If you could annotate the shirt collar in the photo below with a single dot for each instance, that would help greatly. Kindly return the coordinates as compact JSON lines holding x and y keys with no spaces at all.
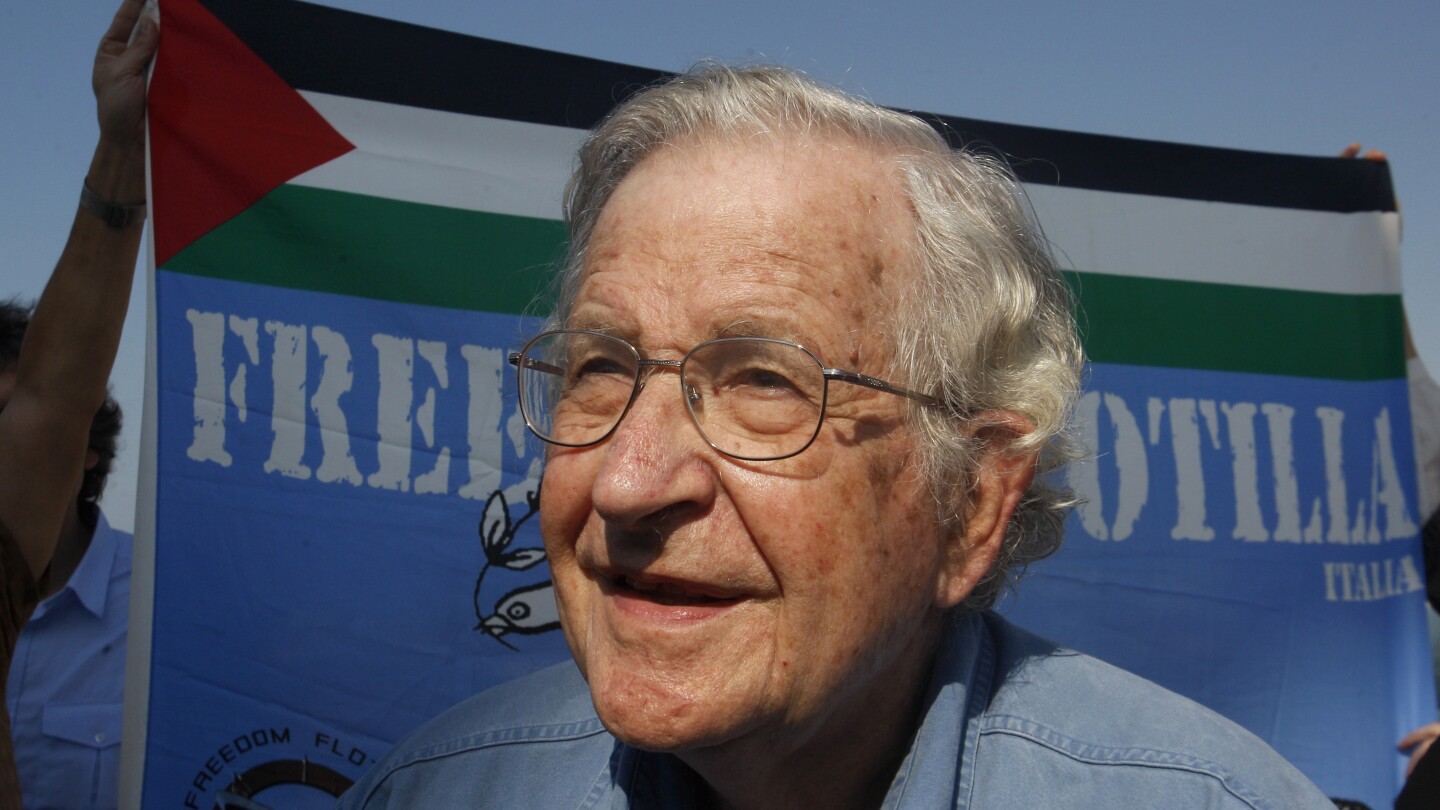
{"x":939,"y":767}
{"x":937,"y":770}
{"x":91,"y":581}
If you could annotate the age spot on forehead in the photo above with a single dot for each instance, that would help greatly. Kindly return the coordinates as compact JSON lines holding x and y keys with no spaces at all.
{"x":877,"y":272}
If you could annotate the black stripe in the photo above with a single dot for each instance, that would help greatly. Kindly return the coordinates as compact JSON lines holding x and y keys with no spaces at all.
{"x":342,"y":53}
{"x":1159,"y":168}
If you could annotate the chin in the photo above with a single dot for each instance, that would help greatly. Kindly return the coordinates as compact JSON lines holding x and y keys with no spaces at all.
{"x":654,"y":717}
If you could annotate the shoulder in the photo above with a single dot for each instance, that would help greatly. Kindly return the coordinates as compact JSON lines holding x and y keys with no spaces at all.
{"x":551,"y":702}
{"x":1060,"y":712}
{"x":515,"y":744}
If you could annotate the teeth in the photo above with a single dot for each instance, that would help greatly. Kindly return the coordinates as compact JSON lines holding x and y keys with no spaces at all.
{"x":664,"y":591}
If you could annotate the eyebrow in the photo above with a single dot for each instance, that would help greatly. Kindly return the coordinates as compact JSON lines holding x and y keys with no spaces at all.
{"x":752,"y":328}
{"x":737,"y":328}
{"x":592,"y":324}
{"x":741,"y":328}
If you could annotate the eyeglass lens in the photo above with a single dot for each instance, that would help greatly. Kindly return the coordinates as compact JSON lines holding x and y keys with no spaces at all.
{"x":752,"y":398}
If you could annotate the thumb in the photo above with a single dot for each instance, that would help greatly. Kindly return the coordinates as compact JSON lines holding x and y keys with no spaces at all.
{"x":141,"y":48}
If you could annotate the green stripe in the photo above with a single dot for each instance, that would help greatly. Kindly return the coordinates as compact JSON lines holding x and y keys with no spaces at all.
{"x":1221,"y":327}
{"x":372,"y":247}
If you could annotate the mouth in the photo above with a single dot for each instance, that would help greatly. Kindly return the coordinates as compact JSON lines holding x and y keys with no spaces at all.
{"x":666,"y":592}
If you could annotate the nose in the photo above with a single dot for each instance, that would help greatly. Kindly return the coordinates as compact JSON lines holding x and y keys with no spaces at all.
{"x":657,"y":469}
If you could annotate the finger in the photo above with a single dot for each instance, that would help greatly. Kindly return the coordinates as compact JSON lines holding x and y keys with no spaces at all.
{"x":150,"y":10}
{"x":1350,"y":151}
{"x":1416,"y":756}
{"x":137,"y":55}
{"x":123,"y":24}
{"x":1428,"y":731}
{"x":1375,"y":154}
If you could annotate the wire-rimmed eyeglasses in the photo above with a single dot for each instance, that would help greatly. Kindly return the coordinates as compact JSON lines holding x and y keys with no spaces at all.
{"x":752,"y":398}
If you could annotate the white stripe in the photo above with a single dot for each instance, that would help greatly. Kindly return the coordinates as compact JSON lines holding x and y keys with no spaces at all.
{"x":444,"y":158}
{"x":135,"y":705}
{"x":510,"y":167}
{"x":1222,"y":243}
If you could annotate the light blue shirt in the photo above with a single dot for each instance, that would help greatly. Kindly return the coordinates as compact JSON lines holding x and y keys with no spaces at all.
{"x":66,"y":682}
{"x":1011,"y":721}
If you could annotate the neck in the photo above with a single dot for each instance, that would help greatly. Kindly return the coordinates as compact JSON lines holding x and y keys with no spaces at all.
{"x":848,"y":762}
{"x":75,"y":536}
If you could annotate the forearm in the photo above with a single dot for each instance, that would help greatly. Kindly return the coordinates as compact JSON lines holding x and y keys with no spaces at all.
{"x":65,"y":361}
{"x":75,"y":332}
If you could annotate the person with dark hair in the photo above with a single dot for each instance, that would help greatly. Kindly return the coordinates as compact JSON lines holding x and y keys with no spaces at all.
{"x":67,"y":674}
{"x":52,"y":385}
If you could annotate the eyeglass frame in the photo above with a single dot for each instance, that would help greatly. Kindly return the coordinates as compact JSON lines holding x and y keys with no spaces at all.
{"x":642,"y":377}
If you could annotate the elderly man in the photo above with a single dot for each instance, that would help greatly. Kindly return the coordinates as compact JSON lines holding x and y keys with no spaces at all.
{"x":807,"y":371}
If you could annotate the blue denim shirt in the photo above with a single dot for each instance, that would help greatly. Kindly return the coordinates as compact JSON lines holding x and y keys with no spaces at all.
{"x":67,"y":679}
{"x":1010,"y":721}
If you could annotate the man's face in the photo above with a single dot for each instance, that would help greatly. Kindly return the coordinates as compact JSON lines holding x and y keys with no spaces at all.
{"x":709,"y":600}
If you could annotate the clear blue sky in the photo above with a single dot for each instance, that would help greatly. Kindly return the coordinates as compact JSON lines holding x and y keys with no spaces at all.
{"x":1304,"y":78}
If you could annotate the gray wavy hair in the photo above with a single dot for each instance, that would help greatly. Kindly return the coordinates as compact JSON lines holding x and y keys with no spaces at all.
{"x":986,"y":326}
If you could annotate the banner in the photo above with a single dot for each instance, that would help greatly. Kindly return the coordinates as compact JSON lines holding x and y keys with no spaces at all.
{"x":1248,"y":532}
{"x":356,"y":219}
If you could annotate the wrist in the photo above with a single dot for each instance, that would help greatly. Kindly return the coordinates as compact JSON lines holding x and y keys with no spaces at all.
{"x":117,"y":171}
{"x":117,"y":215}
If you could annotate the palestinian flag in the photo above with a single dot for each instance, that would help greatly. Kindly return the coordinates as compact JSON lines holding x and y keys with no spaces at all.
{"x":356,"y":219}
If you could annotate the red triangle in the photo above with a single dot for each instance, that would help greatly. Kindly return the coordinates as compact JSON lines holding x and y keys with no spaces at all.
{"x":225,"y":129}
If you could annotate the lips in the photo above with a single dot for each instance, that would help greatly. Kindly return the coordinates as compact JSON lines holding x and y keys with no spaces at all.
{"x":666,"y":596}
{"x":668,"y":592}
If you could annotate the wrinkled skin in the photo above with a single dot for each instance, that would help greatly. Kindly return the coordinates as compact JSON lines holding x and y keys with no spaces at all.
{"x":760,"y":619}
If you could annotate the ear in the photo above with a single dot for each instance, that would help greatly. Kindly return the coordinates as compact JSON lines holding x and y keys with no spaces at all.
{"x":91,"y":459}
{"x":1003,"y":477}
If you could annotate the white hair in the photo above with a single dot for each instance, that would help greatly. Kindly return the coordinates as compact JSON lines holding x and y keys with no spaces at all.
{"x":985,"y":326}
